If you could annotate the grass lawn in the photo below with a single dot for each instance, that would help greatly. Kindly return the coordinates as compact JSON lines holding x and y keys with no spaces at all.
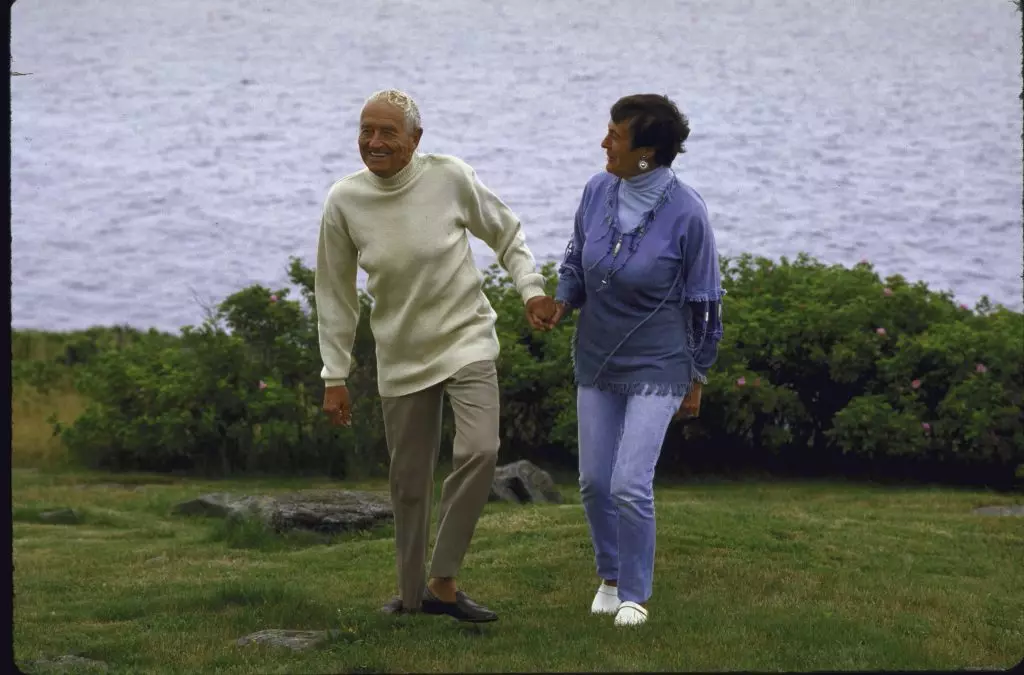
{"x":750,"y":575}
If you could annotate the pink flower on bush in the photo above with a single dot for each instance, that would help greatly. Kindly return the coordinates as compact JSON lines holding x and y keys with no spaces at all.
{"x":880,"y":331}
{"x":263,"y":385}
{"x":963,"y":305}
{"x":981,"y":368}
{"x":927,"y":427}
{"x":273,"y":298}
{"x":740,"y":382}
{"x":887,"y":291}
{"x":916,"y":384}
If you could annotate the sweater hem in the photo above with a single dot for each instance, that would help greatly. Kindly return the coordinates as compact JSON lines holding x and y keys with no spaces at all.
{"x":444,"y":370}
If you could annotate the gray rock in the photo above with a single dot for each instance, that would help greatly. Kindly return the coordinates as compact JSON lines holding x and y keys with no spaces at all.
{"x":60,"y":517}
{"x":324,"y":511}
{"x":524,"y":483}
{"x":1016,"y":510}
{"x":331,"y":510}
{"x":66,"y":663}
{"x":293,"y":639}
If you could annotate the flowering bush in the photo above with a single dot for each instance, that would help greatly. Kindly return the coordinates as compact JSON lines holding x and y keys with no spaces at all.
{"x":821,"y":367}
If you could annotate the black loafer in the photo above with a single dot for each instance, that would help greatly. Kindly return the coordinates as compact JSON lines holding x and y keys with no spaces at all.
{"x":462,"y":609}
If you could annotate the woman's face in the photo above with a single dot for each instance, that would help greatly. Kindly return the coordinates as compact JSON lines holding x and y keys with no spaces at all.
{"x":622,"y":160}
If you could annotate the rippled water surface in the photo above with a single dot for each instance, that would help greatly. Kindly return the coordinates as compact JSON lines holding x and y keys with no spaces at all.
{"x":167,"y":151}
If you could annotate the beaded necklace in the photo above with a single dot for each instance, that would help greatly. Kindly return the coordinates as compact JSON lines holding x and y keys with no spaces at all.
{"x":636,"y":236}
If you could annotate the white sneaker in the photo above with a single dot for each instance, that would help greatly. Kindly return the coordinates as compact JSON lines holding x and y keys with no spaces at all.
{"x":606,"y":601}
{"x":630,"y":614}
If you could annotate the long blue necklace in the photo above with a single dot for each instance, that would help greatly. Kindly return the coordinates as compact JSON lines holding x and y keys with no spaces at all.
{"x":637,"y":235}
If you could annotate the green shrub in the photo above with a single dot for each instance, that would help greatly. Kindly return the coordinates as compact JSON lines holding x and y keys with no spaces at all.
{"x":241,"y":392}
{"x":821,"y":367}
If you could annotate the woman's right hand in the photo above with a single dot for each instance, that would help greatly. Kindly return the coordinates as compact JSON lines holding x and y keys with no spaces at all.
{"x":560,"y":309}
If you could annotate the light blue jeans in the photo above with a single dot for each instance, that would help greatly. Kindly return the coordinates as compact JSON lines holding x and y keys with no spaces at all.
{"x":620,"y":440}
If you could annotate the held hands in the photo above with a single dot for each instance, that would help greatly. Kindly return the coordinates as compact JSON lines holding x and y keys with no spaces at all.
{"x":543,"y":312}
{"x":338,"y":406}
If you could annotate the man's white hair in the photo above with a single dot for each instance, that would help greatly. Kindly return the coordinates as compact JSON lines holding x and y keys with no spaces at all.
{"x":400,"y":100}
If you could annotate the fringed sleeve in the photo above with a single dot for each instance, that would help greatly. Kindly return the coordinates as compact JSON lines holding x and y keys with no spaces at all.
{"x":703,"y":293}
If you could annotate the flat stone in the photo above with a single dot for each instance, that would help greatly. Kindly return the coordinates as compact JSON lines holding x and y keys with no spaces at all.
{"x":1015,"y":510}
{"x":523,"y":482}
{"x":60,"y":517}
{"x":324,"y":511}
{"x":297,"y":640}
{"x":331,"y":511}
{"x":67,"y":663}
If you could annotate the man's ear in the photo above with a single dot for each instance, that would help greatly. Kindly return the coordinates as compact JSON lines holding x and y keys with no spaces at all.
{"x":416,"y":136}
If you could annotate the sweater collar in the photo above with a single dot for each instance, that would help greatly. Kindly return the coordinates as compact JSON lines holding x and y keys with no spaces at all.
{"x":654,"y":179}
{"x":400,"y":179}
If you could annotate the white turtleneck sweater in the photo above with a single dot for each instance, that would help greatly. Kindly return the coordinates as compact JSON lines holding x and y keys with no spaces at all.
{"x":430,"y":317}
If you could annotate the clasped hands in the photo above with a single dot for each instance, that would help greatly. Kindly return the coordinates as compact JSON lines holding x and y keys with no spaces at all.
{"x":543,"y":312}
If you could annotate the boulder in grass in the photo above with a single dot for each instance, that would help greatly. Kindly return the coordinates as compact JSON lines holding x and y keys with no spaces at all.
{"x":323,"y":511}
{"x":523,"y":482}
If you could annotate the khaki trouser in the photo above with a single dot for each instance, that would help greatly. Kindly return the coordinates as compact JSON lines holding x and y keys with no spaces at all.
{"x":412,"y":425}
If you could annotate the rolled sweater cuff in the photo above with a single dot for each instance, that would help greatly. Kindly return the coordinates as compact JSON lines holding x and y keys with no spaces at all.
{"x":335,"y":382}
{"x":531,"y":290}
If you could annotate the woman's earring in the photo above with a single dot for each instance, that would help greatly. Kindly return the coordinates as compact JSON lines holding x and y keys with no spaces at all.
{"x":643,"y":163}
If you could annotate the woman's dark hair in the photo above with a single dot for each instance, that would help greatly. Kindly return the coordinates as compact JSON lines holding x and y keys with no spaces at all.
{"x":655,"y":122}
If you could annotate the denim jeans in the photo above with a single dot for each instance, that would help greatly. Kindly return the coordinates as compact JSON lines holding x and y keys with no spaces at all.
{"x":620,"y":440}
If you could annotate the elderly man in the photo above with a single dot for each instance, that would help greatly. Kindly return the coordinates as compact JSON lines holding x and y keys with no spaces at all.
{"x":404,"y":220}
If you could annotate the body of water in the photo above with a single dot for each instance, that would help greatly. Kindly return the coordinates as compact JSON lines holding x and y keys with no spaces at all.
{"x":167,"y":154}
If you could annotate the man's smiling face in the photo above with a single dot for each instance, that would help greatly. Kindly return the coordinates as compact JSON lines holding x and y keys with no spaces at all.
{"x":386,"y":143}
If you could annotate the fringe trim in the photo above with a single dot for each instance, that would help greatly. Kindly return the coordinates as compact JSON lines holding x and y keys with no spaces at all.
{"x":704,"y":296}
{"x":643,"y":388}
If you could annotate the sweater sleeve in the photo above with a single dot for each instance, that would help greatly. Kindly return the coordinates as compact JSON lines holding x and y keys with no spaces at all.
{"x":703,"y":292}
{"x":337,"y":300}
{"x":571,"y":286}
{"x":491,"y":221}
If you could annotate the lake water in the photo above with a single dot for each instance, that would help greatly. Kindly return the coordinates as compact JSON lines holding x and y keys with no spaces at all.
{"x":167,"y":154}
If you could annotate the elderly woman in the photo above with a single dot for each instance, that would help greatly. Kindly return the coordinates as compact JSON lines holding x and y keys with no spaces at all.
{"x":642,"y":268}
{"x":406,"y":219}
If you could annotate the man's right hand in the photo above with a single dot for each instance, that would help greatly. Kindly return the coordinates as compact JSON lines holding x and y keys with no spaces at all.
{"x":338,"y":406}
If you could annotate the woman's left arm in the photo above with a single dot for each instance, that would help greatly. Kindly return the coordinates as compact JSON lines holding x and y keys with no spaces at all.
{"x":703,"y":291}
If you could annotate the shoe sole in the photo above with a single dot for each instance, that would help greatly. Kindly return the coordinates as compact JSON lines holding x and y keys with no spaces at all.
{"x":461,"y":619}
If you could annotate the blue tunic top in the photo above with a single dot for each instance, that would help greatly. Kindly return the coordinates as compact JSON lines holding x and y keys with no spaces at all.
{"x":649,"y":293}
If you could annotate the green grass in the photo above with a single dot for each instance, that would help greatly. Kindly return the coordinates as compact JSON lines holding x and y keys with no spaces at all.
{"x":750,"y":576}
